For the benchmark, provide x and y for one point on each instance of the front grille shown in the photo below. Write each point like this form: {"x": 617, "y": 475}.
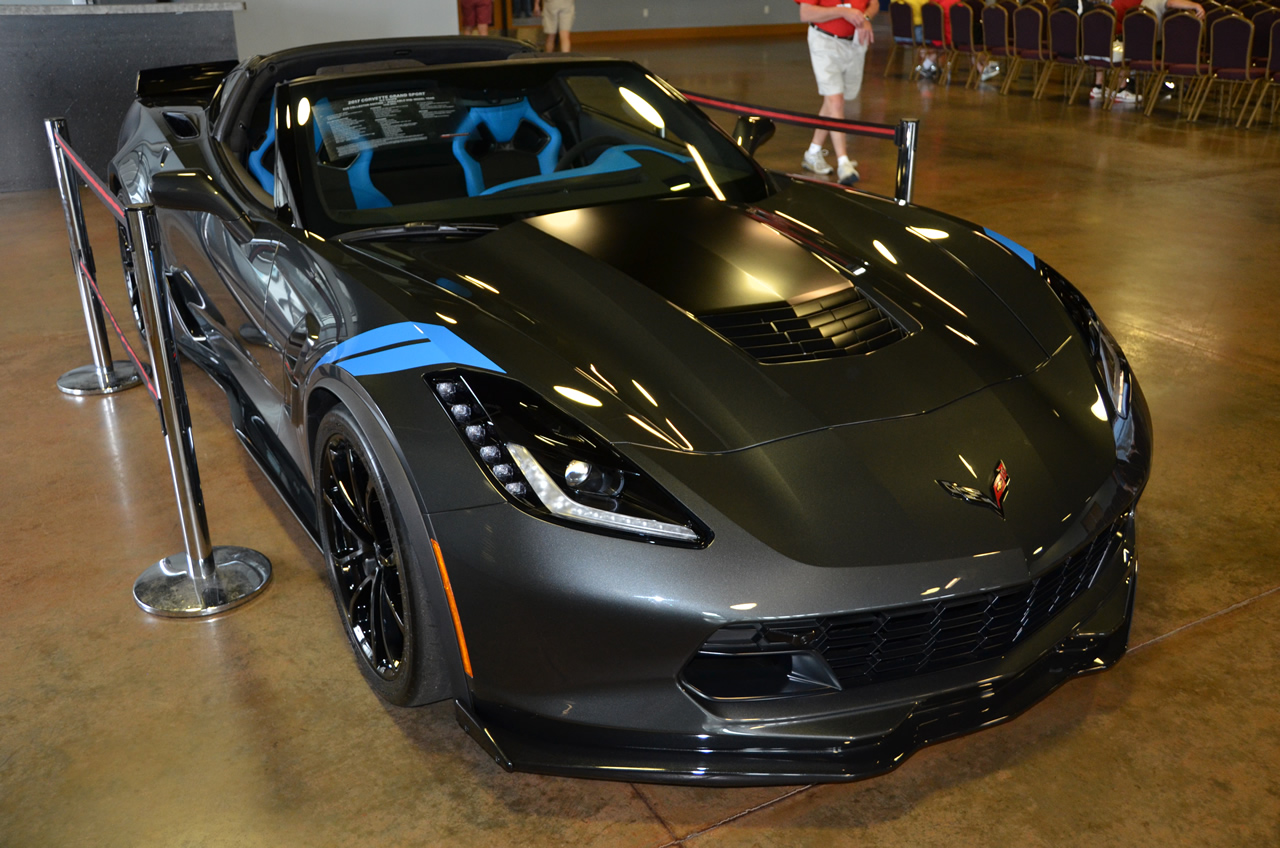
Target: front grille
{"x": 873, "y": 647}
{"x": 841, "y": 324}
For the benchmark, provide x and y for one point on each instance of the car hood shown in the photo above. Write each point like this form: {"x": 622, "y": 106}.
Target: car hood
{"x": 883, "y": 493}
{"x": 609, "y": 311}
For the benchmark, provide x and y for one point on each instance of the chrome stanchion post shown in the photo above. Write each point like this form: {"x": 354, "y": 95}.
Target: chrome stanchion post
{"x": 103, "y": 377}
{"x": 204, "y": 580}
{"x": 906, "y": 140}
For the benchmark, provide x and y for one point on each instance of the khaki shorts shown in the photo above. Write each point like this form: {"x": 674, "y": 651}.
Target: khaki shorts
{"x": 557, "y": 16}
{"x": 837, "y": 63}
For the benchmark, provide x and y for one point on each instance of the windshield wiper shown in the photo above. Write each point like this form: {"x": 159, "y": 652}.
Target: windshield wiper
{"x": 420, "y": 229}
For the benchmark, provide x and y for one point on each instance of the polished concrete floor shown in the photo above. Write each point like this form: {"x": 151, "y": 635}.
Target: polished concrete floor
{"x": 119, "y": 729}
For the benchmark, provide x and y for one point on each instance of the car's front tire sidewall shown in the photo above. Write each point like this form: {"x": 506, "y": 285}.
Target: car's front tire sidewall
{"x": 417, "y": 676}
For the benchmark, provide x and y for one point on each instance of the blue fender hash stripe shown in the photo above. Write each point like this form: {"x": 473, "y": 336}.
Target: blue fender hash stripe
{"x": 1015, "y": 248}
{"x": 400, "y": 347}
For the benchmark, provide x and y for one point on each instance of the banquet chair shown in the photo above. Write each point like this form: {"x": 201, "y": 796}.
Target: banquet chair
{"x": 964, "y": 41}
{"x": 935, "y": 37}
{"x": 1097, "y": 28}
{"x": 1183, "y": 35}
{"x": 1271, "y": 82}
{"x": 1211, "y": 15}
{"x": 1064, "y": 49}
{"x": 1261, "y": 32}
{"x": 1230, "y": 63}
{"x": 904, "y": 35}
{"x": 1029, "y": 46}
{"x": 1140, "y": 27}
{"x": 996, "y": 41}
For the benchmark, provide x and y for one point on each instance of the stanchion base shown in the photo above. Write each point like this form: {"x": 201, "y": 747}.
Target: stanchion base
{"x": 86, "y": 380}
{"x": 166, "y": 588}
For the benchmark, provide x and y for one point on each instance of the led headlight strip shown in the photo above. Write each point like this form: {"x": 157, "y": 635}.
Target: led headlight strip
{"x": 561, "y": 504}
{"x": 554, "y": 467}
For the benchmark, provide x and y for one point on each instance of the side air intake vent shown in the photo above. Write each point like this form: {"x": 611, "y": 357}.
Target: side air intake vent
{"x": 840, "y": 324}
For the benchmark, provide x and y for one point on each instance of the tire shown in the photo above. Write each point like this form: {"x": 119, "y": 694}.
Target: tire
{"x": 131, "y": 283}
{"x": 379, "y": 579}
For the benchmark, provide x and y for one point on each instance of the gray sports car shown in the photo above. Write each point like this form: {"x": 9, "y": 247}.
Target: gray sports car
{"x": 660, "y": 465}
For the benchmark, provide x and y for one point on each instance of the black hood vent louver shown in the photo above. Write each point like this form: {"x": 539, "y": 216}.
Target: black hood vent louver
{"x": 841, "y": 324}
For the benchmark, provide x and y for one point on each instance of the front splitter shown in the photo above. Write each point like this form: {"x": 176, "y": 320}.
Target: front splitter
{"x": 521, "y": 742}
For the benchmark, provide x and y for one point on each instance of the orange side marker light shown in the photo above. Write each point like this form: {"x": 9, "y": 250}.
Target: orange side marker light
{"x": 453, "y": 608}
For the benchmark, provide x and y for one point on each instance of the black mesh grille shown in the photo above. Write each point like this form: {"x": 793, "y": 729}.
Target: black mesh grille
{"x": 872, "y": 647}
{"x": 840, "y": 324}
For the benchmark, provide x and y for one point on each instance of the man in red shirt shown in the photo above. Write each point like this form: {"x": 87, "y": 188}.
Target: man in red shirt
{"x": 839, "y": 34}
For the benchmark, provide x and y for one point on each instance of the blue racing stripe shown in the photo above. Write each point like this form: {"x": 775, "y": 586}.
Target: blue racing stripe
{"x": 400, "y": 347}
{"x": 1017, "y": 249}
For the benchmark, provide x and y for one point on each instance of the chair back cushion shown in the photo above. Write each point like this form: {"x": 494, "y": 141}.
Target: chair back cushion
{"x": 1064, "y": 35}
{"x": 995, "y": 29}
{"x": 961, "y": 15}
{"x": 1231, "y": 43}
{"x": 1028, "y": 32}
{"x": 1097, "y": 26}
{"x": 934, "y": 29}
{"x": 1183, "y": 34}
{"x": 900, "y": 23}
{"x": 1140, "y": 27}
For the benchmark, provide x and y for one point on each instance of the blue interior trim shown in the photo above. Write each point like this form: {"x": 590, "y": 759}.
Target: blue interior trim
{"x": 363, "y": 192}
{"x": 502, "y": 121}
{"x": 265, "y": 178}
{"x": 362, "y": 188}
{"x": 613, "y": 159}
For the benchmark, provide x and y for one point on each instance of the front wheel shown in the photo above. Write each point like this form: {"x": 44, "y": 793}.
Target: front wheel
{"x": 374, "y": 573}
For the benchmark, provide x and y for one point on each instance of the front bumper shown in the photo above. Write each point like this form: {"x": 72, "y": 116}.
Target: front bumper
{"x": 1090, "y": 635}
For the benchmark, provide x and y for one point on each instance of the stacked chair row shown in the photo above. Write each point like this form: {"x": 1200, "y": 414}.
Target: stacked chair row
{"x": 1235, "y": 49}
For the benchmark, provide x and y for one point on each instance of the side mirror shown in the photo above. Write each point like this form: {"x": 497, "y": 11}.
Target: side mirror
{"x": 751, "y": 131}
{"x": 195, "y": 191}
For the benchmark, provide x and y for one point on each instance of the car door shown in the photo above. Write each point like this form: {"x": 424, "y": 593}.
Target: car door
{"x": 222, "y": 273}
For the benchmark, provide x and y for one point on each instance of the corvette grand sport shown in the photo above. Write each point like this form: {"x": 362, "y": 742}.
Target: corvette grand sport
{"x": 661, "y": 466}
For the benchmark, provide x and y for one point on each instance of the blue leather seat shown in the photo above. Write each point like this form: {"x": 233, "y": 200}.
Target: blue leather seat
{"x": 502, "y": 123}
{"x": 363, "y": 192}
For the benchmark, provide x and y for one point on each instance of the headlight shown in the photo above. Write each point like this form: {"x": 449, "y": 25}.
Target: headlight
{"x": 1113, "y": 369}
{"x": 554, "y": 467}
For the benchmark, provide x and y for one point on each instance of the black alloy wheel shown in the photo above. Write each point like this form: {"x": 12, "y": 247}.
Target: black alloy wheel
{"x": 382, "y": 581}
{"x": 362, "y": 548}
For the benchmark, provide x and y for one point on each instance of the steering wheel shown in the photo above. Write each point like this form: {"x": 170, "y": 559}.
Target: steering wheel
{"x": 583, "y": 146}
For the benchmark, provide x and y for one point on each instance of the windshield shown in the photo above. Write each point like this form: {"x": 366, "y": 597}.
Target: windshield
{"x": 492, "y": 141}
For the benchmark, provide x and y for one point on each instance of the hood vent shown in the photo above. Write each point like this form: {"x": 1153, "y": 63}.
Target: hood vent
{"x": 841, "y": 324}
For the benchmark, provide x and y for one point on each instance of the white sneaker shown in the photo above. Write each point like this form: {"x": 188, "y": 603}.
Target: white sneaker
{"x": 1128, "y": 97}
{"x": 1095, "y": 92}
{"x": 848, "y": 173}
{"x": 816, "y": 162}
{"x": 990, "y": 71}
